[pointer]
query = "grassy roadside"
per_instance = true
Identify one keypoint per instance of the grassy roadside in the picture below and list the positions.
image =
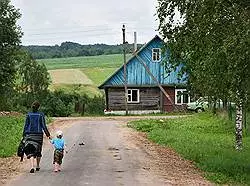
(11, 134)
(205, 139)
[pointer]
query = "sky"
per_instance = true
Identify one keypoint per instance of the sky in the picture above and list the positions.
(51, 22)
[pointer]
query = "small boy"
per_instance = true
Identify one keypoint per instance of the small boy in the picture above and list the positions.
(59, 146)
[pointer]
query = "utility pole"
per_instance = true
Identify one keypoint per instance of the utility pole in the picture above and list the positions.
(135, 42)
(125, 69)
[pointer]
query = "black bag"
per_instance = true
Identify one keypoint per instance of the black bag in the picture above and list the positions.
(20, 149)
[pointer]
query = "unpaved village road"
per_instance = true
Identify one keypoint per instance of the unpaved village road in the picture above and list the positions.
(113, 155)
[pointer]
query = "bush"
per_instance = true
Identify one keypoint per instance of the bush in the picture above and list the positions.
(56, 106)
(61, 103)
(95, 105)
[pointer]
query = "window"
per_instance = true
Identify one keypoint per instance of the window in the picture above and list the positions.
(156, 54)
(133, 95)
(181, 96)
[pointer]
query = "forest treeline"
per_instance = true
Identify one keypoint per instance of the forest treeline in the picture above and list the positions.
(71, 49)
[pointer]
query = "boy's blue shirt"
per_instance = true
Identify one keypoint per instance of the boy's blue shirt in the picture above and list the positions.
(58, 143)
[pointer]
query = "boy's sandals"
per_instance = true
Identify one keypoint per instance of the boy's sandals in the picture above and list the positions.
(38, 169)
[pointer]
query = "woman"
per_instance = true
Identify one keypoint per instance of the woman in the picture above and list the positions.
(33, 135)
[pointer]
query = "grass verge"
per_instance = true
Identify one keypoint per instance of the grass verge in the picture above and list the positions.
(205, 139)
(11, 134)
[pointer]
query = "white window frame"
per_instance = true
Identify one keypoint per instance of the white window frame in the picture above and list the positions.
(181, 90)
(138, 96)
(157, 54)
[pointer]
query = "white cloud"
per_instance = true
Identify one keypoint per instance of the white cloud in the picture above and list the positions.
(50, 22)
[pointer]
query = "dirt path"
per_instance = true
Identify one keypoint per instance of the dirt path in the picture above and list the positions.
(112, 155)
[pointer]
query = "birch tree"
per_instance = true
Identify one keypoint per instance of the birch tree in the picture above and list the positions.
(211, 38)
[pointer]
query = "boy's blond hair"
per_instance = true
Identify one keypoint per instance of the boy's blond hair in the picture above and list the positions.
(59, 133)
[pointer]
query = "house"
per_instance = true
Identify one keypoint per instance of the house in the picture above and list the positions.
(150, 89)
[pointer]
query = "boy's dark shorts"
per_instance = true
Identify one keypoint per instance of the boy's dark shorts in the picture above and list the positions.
(58, 156)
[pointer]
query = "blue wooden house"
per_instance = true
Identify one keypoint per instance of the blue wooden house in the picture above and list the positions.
(149, 87)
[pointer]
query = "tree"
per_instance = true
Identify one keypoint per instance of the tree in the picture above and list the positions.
(10, 35)
(33, 79)
(211, 38)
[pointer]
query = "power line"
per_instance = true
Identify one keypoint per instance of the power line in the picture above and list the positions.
(70, 37)
(88, 27)
(79, 31)
(66, 32)
(63, 37)
(51, 28)
(89, 33)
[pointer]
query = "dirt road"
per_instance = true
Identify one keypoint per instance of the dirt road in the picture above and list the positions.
(113, 155)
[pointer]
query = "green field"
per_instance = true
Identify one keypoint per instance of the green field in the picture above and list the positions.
(98, 75)
(102, 61)
(94, 68)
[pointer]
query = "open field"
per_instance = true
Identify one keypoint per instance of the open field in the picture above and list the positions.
(85, 80)
(69, 76)
(98, 75)
(102, 61)
(89, 72)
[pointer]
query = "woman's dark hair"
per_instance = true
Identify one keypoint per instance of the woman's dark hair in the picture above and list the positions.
(35, 106)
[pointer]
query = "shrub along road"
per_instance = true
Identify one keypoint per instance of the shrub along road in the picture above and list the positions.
(112, 155)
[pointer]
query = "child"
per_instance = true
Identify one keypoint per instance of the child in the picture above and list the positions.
(59, 146)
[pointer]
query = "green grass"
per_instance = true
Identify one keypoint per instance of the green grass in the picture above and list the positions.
(98, 75)
(102, 61)
(10, 134)
(205, 139)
